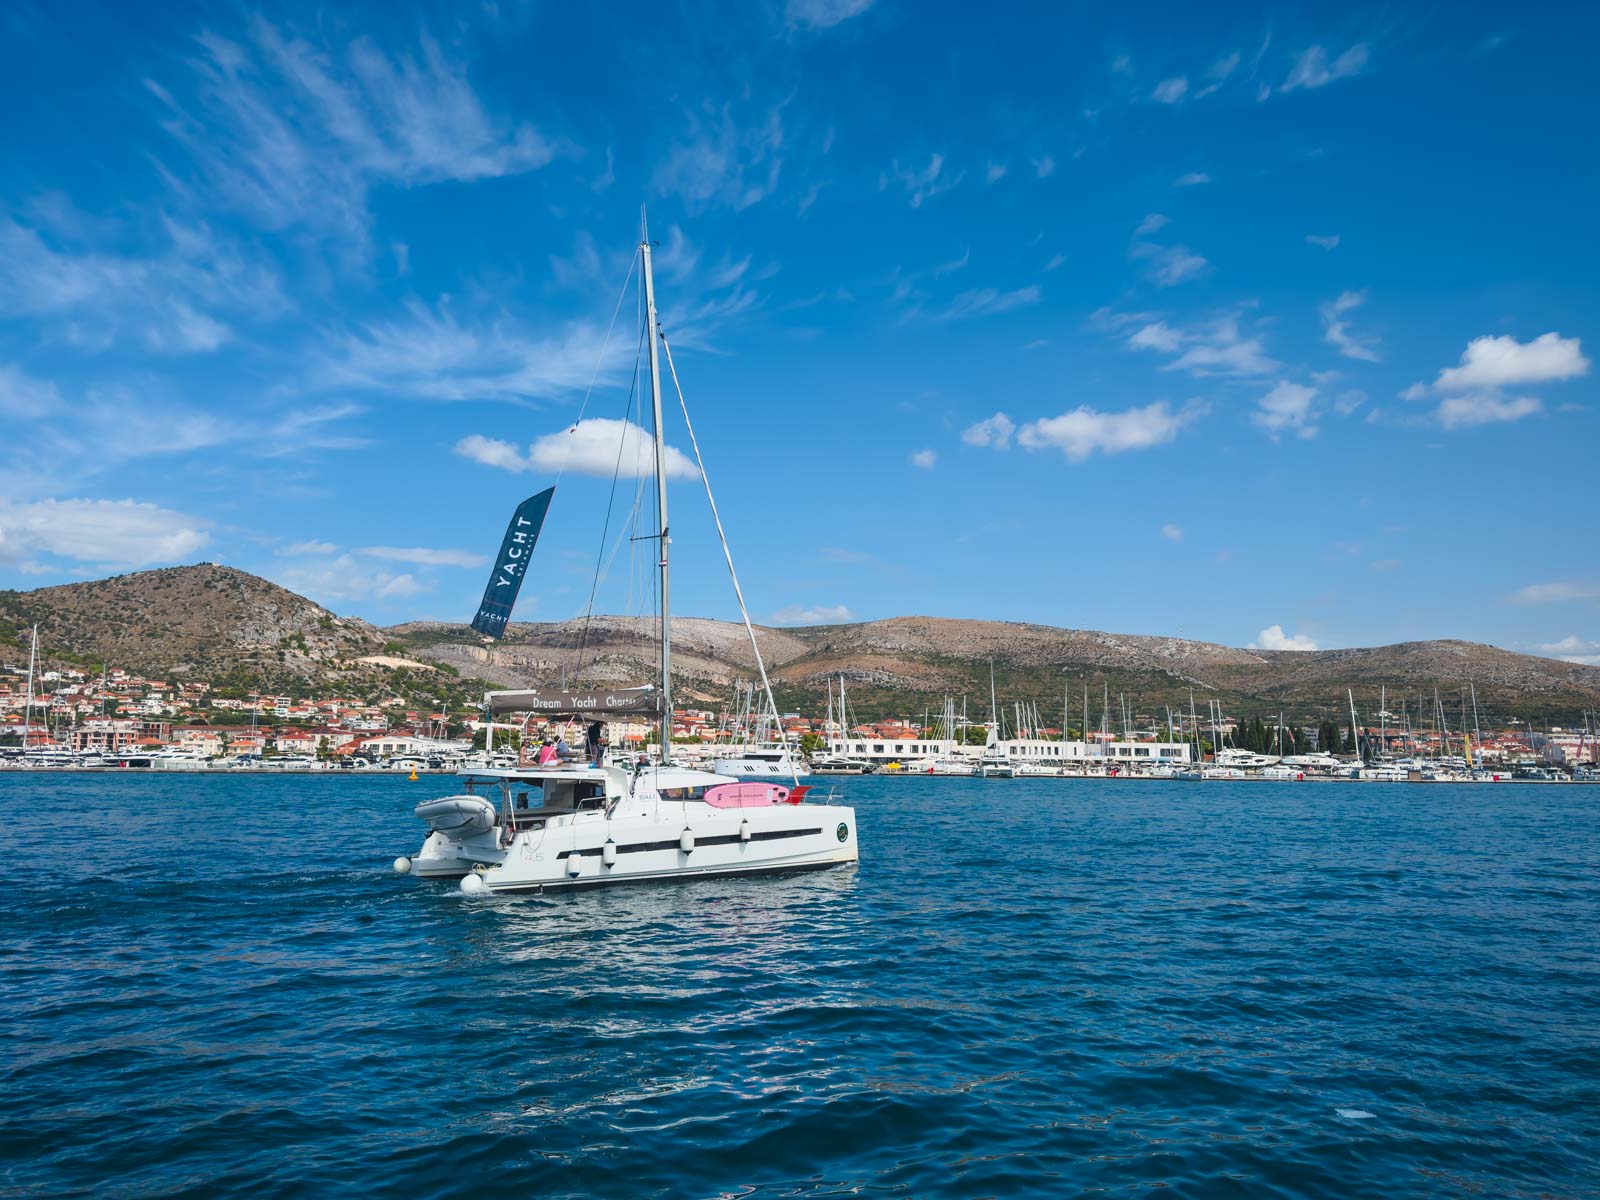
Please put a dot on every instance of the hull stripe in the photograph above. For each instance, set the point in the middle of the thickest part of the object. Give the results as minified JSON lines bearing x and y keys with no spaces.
{"x":721,"y":839}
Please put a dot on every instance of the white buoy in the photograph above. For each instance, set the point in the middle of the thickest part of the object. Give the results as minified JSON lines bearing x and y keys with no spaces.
{"x":744,"y":830}
{"x":574,"y":865}
{"x":402,"y":865}
{"x":608,"y":854}
{"x":686,"y":840}
{"x":473,"y":885}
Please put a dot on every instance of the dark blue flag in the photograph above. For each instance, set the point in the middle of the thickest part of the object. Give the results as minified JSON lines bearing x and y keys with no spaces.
{"x":511,"y":565}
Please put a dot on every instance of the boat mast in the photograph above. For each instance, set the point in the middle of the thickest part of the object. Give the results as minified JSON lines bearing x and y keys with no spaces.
{"x":651,"y":332}
{"x":27,"y":711}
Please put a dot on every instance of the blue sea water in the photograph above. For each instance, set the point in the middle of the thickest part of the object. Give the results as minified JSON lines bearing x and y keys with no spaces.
{"x":214,"y":986}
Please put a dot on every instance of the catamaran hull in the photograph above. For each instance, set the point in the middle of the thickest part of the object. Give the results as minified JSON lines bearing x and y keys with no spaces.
{"x":574,"y":853}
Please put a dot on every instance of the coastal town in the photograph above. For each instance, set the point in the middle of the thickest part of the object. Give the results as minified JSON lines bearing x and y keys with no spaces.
{"x":70,"y":717}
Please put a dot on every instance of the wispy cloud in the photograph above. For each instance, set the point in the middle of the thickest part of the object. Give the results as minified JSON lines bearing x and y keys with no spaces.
{"x":1336,"y":328}
{"x":170,"y":302}
{"x":1192,"y":179}
{"x":1559,"y":592}
{"x":1328,"y":241}
{"x":925,"y":459}
{"x":720,"y":160}
{"x":1313,"y":70}
{"x":1170,"y":91}
{"x":986,"y":302}
{"x":824,"y":14}
{"x":1210,"y":348}
{"x":24,"y":398}
{"x":1574,"y":649}
{"x":423,"y":556}
{"x":1169,"y":264}
{"x":430,"y":354}
{"x":814,"y":614}
{"x":1171,"y":532}
{"x":922,"y":184}
{"x":295,"y":128}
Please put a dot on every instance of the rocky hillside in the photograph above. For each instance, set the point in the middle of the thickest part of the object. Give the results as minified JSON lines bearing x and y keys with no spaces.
{"x":230,"y":627}
{"x":202,"y":622}
{"x":895,"y":665}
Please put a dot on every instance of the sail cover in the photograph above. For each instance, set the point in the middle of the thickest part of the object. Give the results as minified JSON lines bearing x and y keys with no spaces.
{"x":511,"y":565}
{"x":603,"y":702}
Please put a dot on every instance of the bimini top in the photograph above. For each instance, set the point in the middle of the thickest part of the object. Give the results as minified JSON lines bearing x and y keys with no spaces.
{"x":601,"y":702}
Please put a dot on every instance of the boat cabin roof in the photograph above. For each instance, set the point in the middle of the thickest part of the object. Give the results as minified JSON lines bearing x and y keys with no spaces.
{"x":661,"y":777}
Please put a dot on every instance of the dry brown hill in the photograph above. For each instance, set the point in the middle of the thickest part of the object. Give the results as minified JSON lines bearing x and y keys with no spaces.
{"x":222,"y":624}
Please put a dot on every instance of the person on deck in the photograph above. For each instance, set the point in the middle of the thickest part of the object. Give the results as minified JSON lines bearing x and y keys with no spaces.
{"x":594,"y":743}
{"x":547,"y":752}
{"x":564,"y":752}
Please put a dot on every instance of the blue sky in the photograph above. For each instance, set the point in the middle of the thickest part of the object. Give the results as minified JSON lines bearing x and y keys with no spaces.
{"x":1259,"y":325}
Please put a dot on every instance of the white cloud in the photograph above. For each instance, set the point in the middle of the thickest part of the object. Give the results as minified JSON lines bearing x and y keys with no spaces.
{"x":930,"y":181}
{"x":297,"y":549}
{"x":595,"y":446}
{"x":1192,"y":179}
{"x":926,"y":459}
{"x":1170,"y":91}
{"x":113,"y":533}
{"x":986,"y":302}
{"x":432,"y":355}
{"x":1171,"y":532}
{"x":1573,"y":649}
{"x":1328,"y":241}
{"x":1285,"y":409}
{"x":994,"y":172}
{"x":1044,"y":166}
{"x":1312,"y":69}
{"x":1274,"y":638}
{"x":1216,"y":347}
{"x":1556,"y":593}
{"x":1084,"y":430}
{"x":296,"y":132}
{"x":423,"y":557}
{"x":1151,"y":223}
{"x":1336,"y":330}
{"x":993,"y":431}
{"x":492,"y":452}
{"x":1055,"y":261}
{"x":824,"y":14}
{"x":1484,"y":408}
{"x":1496,"y":362}
{"x":720,"y":161}
{"x":24,"y":398}
{"x":821,"y":614}
{"x":347,"y":578}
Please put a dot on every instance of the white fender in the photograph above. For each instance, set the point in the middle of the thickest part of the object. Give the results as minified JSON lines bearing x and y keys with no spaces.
{"x":574,"y":865}
{"x":686,"y":840}
{"x":744,"y":830}
{"x":608,"y":853}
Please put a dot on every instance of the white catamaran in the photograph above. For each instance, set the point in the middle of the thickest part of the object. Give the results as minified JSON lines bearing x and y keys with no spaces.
{"x":528,"y":828}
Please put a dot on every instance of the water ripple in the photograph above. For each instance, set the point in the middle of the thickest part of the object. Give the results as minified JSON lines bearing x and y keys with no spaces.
{"x":1029,"y":988}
